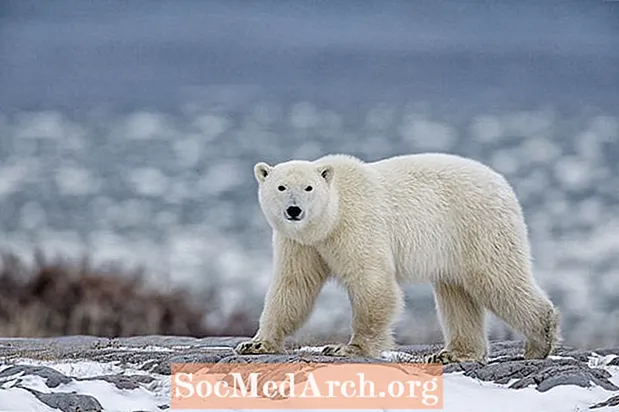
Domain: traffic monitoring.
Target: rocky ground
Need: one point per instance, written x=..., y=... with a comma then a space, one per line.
x=132, y=374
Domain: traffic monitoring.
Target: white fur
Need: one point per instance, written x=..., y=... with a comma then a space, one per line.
x=436, y=218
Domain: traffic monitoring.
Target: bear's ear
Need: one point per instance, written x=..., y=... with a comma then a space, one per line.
x=261, y=171
x=326, y=172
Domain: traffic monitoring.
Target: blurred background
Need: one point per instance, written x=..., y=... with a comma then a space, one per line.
x=129, y=130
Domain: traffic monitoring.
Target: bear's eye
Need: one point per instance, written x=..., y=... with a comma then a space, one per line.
x=281, y=188
x=309, y=189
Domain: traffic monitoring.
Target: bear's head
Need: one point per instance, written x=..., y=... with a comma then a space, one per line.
x=298, y=198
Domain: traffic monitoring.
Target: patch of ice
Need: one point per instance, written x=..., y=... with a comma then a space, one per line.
x=380, y=117
x=32, y=216
x=148, y=181
x=188, y=152
x=59, y=242
x=308, y=150
x=144, y=126
x=505, y=161
x=529, y=123
x=606, y=127
x=486, y=128
x=426, y=134
x=573, y=173
x=14, y=174
x=132, y=212
x=540, y=150
x=221, y=176
x=76, y=181
x=303, y=115
x=46, y=125
x=330, y=123
x=266, y=113
x=210, y=126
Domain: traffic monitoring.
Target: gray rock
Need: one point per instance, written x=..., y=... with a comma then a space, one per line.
x=613, y=401
x=156, y=340
x=553, y=376
x=545, y=374
x=68, y=402
x=229, y=341
x=505, y=349
x=145, y=379
x=578, y=354
x=462, y=367
x=180, y=341
x=52, y=377
x=164, y=367
x=503, y=372
x=607, y=351
x=258, y=358
x=419, y=350
x=199, y=357
x=122, y=381
x=61, y=341
x=294, y=357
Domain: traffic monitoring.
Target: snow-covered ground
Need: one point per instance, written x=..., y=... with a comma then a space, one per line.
x=460, y=393
x=145, y=398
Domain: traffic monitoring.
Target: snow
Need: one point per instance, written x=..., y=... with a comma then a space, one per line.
x=146, y=398
x=20, y=400
x=463, y=394
x=460, y=393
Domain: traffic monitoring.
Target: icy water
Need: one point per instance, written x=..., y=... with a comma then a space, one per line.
x=129, y=130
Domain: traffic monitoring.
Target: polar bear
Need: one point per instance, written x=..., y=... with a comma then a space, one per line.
x=431, y=217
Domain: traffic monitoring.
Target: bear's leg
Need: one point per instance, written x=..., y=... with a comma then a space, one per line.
x=376, y=301
x=299, y=276
x=462, y=321
x=519, y=302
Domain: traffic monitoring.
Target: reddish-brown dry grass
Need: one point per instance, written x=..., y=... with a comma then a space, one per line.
x=62, y=297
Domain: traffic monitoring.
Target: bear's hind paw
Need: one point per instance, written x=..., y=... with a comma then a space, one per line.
x=257, y=347
x=446, y=357
x=348, y=351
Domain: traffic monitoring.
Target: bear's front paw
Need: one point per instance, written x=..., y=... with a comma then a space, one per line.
x=348, y=351
x=257, y=347
x=446, y=357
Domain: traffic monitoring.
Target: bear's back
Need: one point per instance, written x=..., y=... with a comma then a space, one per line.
x=439, y=205
x=443, y=178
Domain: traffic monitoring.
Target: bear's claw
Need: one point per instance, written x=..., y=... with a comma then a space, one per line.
x=446, y=357
x=343, y=350
x=442, y=357
x=256, y=347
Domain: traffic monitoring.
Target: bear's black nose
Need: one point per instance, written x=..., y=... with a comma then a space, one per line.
x=294, y=212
